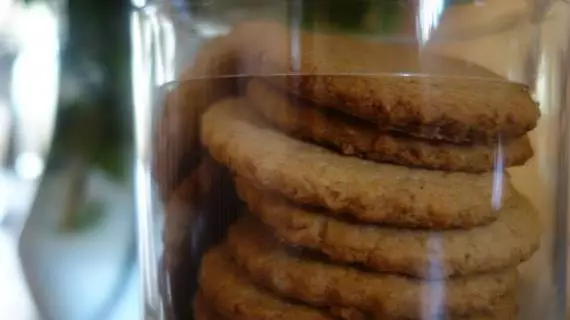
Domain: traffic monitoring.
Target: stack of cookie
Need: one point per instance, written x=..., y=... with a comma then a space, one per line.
x=381, y=197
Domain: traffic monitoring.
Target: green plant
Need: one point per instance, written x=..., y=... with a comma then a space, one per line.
x=93, y=124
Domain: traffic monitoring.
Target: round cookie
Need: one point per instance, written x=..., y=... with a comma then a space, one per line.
x=402, y=86
x=375, y=192
x=350, y=136
x=323, y=284
x=506, y=309
x=203, y=311
x=505, y=243
x=182, y=204
x=233, y=296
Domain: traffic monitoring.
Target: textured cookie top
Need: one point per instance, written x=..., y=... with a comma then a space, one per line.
x=203, y=311
x=368, y=191
x=513, y=238
x=234, y=297
x=350, y=136
x=393, y=85
x=506, y=309
x=324, y=284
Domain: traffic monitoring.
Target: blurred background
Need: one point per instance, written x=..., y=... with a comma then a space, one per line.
x=67, y=223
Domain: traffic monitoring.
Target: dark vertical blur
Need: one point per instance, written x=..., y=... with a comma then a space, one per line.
x=94, y=111
x=94, y=117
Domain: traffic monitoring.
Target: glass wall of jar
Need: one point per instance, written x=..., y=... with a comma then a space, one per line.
x=352, y=160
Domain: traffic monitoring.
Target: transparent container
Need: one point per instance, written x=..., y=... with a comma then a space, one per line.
x=352, y=160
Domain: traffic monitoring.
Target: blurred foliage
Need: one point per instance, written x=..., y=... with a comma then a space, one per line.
x=94, y=124
x=93, y=129
x=90, y=214
x=362, y=16
x=354, y=16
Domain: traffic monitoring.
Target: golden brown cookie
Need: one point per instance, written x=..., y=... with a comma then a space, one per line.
x=196, y=215
x=233, y=296
x=506, y=309
x=189, y=197
x=400, y=86
x=351, y=136
x=505, y=243
x=323, y=284
x=308, y=174
x=176, y=144
x=203, y=311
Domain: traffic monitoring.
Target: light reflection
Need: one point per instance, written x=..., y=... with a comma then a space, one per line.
x=157, y=52
x=169, y=47
x=209, y=30
x=5, y=11
x=34, y=83
x=29, y=166
x=141, y=84
x=141, y=46
x=147, y=248
x=164, y=46
x=139, y=3
x=434, y=295
x=5, y=125
x=296, y=36
x=498, y=174
x=429, y=15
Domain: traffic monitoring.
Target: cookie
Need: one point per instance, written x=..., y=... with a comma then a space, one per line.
x=197, y=215
x=507, y=242
x=401, y=86
x=506, y=309
x=176, y=139
x=350, y=136
x=323, y=284
x=234, y=297
x=374, y=192
x=203, y=311
x=189, y=198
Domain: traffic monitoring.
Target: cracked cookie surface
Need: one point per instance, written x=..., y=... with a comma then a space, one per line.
x=349, y=136
x=507, y=242
x=305, y=173
x=321, y=283
x=233, y=296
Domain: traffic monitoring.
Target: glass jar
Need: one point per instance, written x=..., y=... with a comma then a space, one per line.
x=351, y=160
